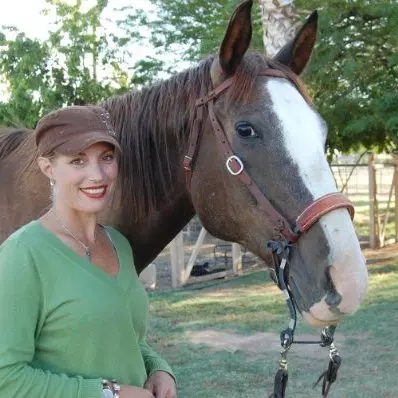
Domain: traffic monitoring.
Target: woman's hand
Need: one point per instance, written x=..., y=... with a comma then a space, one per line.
x=134, y=392
x=161, y=385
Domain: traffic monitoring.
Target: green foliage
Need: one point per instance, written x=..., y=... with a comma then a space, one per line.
x=21, y=64
x=195, y=28
x=354, y=72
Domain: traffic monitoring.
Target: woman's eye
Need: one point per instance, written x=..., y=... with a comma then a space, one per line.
x=77, y=162
x=108, y=157
x=246, y=131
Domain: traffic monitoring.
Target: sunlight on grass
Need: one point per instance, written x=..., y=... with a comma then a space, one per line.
x=228, y=298
x=383, y=287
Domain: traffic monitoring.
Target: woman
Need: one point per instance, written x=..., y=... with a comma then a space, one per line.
x=72, y=312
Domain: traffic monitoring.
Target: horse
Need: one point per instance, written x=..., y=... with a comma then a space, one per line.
x=247, y=134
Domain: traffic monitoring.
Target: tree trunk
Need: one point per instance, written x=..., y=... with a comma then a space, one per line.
x=279, y=19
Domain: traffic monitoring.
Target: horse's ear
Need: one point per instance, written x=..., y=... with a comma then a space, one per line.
x=237, y=38
x=297, y=52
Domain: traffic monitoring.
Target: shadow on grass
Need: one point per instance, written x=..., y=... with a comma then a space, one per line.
x=377, y=268
x=248, y=303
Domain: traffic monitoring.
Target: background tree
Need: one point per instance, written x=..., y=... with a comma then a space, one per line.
x=354, y=72
x=23, y=66
x=279, y=21
x=82, y=62
x=192, y=29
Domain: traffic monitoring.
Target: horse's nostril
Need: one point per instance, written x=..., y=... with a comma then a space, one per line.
x=333, y=298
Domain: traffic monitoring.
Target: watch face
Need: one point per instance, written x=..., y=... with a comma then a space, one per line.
x=107, y=393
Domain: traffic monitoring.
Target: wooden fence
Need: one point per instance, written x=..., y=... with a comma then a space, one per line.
x=372, y=179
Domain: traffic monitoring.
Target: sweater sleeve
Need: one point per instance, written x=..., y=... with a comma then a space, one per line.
x=20, y=311
x=153, y=362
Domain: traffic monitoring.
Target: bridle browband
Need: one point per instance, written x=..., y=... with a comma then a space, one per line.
x=285, y=234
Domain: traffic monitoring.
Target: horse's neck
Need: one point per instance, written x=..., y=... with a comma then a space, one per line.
x=150, y=236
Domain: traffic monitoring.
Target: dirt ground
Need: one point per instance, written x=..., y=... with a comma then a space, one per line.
x=380, y=256
x=257, y=344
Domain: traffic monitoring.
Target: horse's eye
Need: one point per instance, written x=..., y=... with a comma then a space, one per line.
x=246, y=131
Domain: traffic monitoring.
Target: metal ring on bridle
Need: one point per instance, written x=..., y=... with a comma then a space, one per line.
x=240, y=163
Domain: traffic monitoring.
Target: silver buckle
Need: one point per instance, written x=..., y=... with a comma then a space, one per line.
x=227, y=163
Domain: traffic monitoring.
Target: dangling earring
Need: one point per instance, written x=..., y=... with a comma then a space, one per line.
x=52, y=183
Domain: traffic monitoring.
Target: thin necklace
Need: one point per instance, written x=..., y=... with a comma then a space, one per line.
x=86, y=248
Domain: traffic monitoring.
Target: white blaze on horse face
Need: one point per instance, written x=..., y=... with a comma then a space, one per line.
x=303, y=137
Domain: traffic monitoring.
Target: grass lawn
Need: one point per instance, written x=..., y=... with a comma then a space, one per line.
x=201, y=332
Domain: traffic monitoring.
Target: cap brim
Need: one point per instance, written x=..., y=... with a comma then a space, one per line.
x=79, y=144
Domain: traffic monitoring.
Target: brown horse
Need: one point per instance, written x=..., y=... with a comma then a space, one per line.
x=270, y=125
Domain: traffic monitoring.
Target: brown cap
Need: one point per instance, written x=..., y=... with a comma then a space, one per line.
x=71, y=130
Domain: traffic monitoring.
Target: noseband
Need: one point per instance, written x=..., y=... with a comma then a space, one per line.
x=285, y=235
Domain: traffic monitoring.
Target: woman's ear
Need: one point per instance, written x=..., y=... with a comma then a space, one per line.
x=46, y=167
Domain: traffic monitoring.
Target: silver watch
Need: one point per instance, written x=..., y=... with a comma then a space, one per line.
x=110, y=389
x=107, y=392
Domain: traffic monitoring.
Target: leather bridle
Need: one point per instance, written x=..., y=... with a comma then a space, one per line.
x=285, y=234
x=235, y=167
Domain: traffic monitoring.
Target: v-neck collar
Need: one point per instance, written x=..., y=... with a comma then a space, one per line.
x=121, y=278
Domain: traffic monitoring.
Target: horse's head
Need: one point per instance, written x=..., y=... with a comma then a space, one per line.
x=280, y=138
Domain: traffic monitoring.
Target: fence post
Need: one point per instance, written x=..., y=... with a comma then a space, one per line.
x=395, y=161
x=236, y=259
x=194, y=255
x=373, y=241
x=177, y=260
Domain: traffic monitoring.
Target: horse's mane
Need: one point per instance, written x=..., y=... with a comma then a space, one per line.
x=143, y=118
x=11, y=139
x=153, y=125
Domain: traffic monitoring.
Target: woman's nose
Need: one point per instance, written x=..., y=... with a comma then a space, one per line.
x=96, y=174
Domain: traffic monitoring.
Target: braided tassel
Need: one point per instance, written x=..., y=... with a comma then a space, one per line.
x=282, y=376
x=330, y=375
x=280, y=383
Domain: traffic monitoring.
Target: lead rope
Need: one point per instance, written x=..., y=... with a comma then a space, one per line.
x=282, y=248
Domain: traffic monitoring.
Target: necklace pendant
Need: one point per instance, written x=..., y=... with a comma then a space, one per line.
x=88, y=255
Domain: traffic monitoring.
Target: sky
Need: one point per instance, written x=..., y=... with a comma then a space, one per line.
x=26, y=14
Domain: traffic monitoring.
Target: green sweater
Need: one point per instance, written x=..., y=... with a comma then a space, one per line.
x=65, y=324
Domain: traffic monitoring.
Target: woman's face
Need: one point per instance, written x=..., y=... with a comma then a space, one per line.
x=85, y=182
